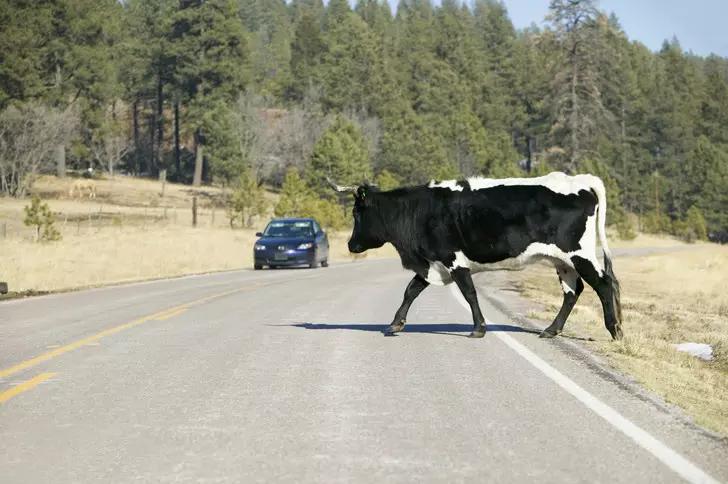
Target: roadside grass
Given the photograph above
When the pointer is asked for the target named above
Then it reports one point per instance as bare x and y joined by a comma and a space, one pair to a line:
667, 298
116, 255
131, 233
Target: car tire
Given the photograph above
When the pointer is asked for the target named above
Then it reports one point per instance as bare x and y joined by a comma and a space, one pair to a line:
325, 263
257, 267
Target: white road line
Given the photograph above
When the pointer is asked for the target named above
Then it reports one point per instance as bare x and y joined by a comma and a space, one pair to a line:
669, 457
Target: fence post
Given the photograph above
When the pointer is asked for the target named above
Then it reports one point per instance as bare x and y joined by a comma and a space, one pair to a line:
194, 211
163, 179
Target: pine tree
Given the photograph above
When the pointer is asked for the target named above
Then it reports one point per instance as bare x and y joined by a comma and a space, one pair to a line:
295, 194
342, 155
576, 98
211, 54
22, 51
307, 55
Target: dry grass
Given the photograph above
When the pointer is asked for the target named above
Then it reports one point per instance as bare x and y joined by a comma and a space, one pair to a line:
128, 191
666, 298
130, 233
120, 255
645, 240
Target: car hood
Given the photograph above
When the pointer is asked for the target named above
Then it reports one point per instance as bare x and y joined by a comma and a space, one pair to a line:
276, 241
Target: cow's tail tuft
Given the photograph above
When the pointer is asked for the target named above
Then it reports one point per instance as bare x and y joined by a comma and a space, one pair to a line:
601, 193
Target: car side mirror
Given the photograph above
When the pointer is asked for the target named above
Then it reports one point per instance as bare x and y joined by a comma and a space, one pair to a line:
320, 233
259, 234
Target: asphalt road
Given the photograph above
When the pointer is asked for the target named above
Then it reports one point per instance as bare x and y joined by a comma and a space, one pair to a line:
285, 376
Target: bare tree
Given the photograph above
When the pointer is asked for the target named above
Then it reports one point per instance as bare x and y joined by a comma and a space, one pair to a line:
29, 139
110, 145
370, 126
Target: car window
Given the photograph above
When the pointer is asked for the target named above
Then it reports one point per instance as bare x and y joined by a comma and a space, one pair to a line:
289, 229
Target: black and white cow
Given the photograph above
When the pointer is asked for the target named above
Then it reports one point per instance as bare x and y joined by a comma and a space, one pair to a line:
445, 231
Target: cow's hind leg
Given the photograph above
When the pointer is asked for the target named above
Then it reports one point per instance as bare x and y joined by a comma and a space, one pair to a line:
414, 288
606, 287
463, 279
573, 286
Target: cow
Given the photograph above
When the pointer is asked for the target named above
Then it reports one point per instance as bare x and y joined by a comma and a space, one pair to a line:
445, 231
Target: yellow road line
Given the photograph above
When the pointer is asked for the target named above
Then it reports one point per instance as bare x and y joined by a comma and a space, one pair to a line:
172, 314
137, 322
18, 389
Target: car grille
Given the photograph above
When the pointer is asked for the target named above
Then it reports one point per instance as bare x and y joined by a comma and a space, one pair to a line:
283, 247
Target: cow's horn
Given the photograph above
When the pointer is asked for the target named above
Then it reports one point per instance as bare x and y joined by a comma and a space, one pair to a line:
342, 188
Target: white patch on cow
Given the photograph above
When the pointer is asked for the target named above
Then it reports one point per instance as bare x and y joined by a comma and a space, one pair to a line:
555, 181
438, 274
568, 279
588, 243
461, 261
451, 184
538, 251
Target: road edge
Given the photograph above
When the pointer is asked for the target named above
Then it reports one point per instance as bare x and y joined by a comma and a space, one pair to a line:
597, 364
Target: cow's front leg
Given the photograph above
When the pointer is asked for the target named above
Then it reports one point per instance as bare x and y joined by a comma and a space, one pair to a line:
414, 288
462, 278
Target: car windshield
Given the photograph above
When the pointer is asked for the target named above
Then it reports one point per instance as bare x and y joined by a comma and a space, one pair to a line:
289, 229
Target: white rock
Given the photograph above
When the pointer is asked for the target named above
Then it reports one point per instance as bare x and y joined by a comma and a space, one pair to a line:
701, 350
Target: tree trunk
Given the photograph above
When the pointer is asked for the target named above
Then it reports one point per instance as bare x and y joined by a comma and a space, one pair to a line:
160, 122
61, 161
135, 120
60, 149
152, 145
197, 180
177, 155
574, 116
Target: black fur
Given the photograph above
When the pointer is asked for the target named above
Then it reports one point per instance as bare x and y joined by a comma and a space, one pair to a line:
491, 225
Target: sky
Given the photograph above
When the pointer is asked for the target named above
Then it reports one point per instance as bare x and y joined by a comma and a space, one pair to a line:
698, 24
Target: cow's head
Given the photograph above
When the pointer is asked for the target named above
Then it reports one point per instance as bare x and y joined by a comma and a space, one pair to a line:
368, 230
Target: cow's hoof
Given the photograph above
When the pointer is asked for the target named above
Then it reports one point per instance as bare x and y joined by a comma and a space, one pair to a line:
395, 327
477, 334
546, 333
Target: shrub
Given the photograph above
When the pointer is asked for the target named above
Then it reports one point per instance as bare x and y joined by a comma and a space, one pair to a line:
39, 216
625, 230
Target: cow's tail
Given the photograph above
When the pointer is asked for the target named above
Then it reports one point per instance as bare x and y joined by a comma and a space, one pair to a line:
601, 193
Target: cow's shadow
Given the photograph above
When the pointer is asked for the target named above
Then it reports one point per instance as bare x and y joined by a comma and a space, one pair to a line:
451, 329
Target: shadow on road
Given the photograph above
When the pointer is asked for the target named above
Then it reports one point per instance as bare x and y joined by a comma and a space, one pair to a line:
444, 329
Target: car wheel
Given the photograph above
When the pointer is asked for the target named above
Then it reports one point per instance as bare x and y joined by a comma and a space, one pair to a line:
325, 263
257, 267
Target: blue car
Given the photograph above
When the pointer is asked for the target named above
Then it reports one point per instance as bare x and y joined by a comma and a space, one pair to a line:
289, 242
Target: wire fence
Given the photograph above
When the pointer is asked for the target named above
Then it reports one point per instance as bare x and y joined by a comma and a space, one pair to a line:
92, 218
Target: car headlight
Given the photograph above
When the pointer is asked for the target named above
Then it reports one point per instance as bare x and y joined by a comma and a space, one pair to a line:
259, 247
307, 245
